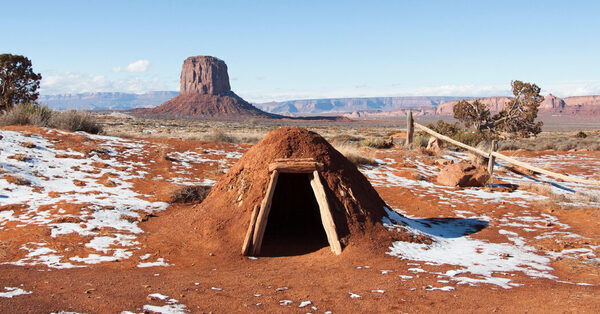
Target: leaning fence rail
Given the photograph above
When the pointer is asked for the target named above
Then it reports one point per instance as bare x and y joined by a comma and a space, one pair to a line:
491, 154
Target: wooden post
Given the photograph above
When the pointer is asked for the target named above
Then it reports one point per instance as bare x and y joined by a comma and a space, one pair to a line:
248, 240
326, 217
410, 129
492, 158
263, 215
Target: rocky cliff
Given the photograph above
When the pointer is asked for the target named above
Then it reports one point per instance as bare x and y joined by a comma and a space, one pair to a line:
204, 75
206, 93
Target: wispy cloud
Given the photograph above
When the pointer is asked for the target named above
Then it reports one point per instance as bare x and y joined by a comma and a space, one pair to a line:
138, 66
74, 83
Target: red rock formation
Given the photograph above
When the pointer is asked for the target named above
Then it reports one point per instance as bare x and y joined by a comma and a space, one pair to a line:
204, 75
206, 93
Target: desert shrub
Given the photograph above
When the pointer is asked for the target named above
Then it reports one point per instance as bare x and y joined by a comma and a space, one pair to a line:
356, 155
377, 143
456, 132
420, 140
218, 135
444, 128
580, 134
587, 197
190, 194
74, 120
341, 138
26, 114
35, 114
566, 145
535, 187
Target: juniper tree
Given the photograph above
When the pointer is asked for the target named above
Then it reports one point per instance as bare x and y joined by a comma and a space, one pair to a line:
516, 119
18, 82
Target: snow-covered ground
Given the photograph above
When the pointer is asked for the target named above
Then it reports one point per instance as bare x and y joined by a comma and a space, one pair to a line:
73, 193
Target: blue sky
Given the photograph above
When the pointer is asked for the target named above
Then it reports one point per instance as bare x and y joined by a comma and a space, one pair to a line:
278, 50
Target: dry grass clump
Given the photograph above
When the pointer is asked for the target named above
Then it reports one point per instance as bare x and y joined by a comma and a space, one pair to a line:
16, 180
380, 143
19, 157
535, 187
74, 120
555, 141
587, 197
420, 140
28, 144
26, 114
190, 194
355, 154
218, 135
35, 114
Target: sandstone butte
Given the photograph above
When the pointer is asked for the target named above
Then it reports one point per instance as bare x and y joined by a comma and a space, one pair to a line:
205, 92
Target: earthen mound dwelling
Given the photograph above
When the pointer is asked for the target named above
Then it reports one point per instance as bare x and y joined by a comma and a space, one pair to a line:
292, 193
205, 92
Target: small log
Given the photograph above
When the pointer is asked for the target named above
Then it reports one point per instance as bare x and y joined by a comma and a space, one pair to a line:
410, 129
492, 158
295, 166
263, 215
294, 159
326, 218
248, 239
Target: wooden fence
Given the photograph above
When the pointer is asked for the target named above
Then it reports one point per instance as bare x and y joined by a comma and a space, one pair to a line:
492, 154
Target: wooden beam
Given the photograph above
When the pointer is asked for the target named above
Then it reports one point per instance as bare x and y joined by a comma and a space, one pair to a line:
506, 158
248, 239
449, 140
326, 217
544, 171
491, 158
295, 166
410, 129
294, 159
263, 215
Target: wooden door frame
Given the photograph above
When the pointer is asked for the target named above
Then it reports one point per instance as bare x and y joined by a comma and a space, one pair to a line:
258, 222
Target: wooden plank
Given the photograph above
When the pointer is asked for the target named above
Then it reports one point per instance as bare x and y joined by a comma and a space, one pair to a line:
263, 215
506, 158
295, 166
410, 129
544, 171
491, 158
248, 239
326, 217
447, 139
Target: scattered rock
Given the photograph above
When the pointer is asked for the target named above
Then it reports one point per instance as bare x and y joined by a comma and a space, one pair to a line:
443, 162
434, 145
462, 174
28, 144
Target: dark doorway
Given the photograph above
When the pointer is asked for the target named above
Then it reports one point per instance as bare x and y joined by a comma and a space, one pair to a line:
294, 225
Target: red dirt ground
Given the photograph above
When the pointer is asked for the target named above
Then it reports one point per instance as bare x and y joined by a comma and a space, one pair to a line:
324, 279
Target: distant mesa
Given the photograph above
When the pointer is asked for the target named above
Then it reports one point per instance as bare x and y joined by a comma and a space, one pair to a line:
205, 93
574, 105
